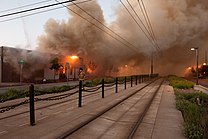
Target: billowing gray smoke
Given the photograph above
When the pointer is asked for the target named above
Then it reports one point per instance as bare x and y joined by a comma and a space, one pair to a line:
178, 25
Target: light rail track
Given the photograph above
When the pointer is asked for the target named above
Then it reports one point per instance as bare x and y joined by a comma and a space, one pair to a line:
142, 97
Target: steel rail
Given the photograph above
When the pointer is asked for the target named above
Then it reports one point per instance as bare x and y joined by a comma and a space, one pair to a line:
76, 128
140, 118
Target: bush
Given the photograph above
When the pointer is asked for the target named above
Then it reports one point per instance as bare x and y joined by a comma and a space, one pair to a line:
13, 94
94, 82
195, 113
98, 81
180, 83
193, 131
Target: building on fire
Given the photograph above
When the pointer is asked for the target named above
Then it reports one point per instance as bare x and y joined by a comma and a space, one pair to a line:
21, 65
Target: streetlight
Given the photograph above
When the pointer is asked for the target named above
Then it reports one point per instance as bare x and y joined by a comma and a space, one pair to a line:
74, 58
67, 71
197, 59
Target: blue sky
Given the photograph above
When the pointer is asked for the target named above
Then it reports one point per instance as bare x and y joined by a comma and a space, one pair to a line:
23, 31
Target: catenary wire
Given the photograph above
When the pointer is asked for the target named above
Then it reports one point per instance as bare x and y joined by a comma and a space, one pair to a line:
98, 27
147, 29
36, 8
104, 25
148, 19
138, 24
16, 8
55, 9
1, 21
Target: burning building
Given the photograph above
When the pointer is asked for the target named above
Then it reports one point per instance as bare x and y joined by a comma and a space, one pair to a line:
20, 65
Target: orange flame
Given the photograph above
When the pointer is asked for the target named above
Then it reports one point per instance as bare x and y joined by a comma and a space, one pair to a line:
89, 70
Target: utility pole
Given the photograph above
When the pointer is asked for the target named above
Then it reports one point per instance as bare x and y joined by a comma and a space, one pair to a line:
205, 57
1, 64
197, 63
151, 65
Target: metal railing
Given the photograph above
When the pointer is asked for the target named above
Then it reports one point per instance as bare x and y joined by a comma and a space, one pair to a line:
78, 89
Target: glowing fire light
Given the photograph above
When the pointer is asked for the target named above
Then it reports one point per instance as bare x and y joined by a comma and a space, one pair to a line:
74, 57
189, 68
126, 66
204, 64
89, 70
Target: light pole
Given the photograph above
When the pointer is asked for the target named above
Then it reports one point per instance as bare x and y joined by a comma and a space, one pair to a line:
21, 62
197, 59
67, 71
74, 58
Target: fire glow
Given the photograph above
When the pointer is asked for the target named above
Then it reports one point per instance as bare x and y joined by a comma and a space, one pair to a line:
89, 70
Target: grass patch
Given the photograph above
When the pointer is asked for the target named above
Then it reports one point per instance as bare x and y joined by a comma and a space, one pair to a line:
98, 81
14, 94
180, 83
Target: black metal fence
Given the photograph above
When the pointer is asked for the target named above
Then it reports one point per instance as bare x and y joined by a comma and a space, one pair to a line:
78, 89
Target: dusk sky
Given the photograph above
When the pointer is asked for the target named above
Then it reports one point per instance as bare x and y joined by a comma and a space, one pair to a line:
23, 32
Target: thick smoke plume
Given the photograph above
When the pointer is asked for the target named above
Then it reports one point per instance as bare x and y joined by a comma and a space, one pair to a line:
178, 25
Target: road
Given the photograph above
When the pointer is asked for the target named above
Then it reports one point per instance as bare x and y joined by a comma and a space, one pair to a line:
203, 82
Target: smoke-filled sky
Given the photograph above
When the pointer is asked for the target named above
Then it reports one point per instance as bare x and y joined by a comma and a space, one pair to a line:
178, 25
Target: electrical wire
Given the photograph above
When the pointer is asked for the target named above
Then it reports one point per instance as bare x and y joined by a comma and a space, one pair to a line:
2, 21
98, 27
37, 8
148, 19
24, 6
148, 29
104, 25
138, 24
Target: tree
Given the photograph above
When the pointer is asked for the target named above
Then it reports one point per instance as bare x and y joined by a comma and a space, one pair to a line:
203, 71
55, 65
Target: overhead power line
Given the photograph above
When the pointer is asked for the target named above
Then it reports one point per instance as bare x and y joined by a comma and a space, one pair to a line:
98, 27
25, 6
1, 21
147, 19
139, 18
148, 29
37, 8
104, 25
138, 24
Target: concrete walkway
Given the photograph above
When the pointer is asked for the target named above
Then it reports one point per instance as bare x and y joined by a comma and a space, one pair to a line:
169, 120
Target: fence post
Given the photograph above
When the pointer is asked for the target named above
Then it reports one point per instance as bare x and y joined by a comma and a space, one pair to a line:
102, 88
116, 84
80, 93
131, 81
125, 83
142, 78
32, 105
139, 78
136, 79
